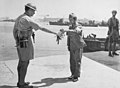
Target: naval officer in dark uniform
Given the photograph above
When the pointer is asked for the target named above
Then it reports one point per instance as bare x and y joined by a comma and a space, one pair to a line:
113, 34
75, 46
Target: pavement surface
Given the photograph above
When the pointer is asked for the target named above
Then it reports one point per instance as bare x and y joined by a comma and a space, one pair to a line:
52, 71
103, 58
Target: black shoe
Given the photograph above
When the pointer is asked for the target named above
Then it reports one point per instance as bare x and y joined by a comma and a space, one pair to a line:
111, 55
115, 54
71, 77
75, 79
26, 83
25, 86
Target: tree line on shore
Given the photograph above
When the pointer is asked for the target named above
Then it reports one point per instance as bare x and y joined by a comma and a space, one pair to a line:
83, 22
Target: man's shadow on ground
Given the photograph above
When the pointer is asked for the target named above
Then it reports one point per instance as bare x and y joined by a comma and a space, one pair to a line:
44, 82
50, 81
7, 86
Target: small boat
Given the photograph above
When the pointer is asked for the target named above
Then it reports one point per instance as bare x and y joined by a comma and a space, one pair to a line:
98, 44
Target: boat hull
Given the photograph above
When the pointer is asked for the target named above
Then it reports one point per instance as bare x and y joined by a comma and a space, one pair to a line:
99, 44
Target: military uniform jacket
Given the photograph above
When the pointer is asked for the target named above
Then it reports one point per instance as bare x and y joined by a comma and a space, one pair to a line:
75, 40
113, 25
25, 23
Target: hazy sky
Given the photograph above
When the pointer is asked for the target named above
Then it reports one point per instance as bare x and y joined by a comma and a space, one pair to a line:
91, 9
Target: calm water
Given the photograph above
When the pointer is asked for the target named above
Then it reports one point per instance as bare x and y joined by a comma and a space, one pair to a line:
45, 43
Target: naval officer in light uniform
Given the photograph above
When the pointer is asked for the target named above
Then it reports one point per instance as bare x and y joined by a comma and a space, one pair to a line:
23, 30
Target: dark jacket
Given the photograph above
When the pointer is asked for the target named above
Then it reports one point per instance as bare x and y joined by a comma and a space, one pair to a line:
113, 24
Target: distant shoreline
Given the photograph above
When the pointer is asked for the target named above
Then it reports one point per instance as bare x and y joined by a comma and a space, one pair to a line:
7, 21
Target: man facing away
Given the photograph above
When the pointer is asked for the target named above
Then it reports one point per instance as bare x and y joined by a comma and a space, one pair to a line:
113, 34
22, 32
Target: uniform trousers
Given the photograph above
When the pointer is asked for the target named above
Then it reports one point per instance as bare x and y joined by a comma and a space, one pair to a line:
75, 62
113, 39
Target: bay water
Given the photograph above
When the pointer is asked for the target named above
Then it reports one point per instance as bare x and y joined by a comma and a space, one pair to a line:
45, 43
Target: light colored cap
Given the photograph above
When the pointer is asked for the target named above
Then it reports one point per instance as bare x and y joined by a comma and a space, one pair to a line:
72, 15
31, 6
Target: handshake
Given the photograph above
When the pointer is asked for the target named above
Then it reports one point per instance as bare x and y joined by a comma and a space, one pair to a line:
60, 35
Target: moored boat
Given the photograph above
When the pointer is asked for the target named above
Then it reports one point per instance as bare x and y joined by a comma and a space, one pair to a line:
98, 44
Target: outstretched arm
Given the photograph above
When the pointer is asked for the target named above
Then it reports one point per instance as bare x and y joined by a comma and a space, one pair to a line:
48, 31
36, 26
75, 31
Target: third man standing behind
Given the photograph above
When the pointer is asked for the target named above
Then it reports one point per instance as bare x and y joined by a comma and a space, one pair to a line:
113, 34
